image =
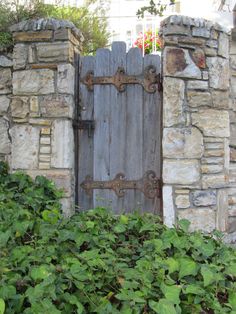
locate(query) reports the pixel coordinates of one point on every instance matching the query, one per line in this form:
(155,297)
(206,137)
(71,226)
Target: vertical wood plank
(117,122)
(134,130)
(152,133)
(101,164)
(86,112)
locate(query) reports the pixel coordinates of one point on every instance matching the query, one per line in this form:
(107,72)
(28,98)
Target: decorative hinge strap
(151,81)
(149,185)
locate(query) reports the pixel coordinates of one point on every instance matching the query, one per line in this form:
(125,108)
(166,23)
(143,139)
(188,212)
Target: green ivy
(97,262)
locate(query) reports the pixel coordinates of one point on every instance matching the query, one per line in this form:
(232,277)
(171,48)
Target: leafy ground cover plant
(96,262)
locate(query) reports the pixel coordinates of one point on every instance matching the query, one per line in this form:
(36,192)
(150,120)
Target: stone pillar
(5,96)
(195,122)
(43,102)
(232,176)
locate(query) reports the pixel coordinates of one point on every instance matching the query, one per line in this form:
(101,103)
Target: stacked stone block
(43,101)
(195,123)
(5,97)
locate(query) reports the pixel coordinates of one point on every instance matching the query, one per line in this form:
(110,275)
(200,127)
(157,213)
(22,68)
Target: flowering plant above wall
(148,41)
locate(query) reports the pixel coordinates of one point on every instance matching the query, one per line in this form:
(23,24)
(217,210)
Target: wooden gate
(119,130)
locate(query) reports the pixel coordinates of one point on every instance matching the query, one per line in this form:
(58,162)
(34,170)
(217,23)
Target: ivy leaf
(194,289)
(119,228)
(208,275)
(232,300)
(187,267)
(207,249)
(231,270)
(2,306)
(40,273)
(171,293)
(162,307)
(184,224)
(173,265)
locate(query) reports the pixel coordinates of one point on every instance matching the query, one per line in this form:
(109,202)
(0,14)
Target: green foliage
(90,19)
(97,262)
(155,8)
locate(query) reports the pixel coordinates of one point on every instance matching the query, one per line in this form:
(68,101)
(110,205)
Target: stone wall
(43,103)
(5,97)
(195,123)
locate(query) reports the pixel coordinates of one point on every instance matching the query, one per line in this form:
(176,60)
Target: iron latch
(149,185)
(85,125)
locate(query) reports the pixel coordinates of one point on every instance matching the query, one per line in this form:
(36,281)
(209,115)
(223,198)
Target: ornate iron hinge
(85,125)
(149,185)
(151,81)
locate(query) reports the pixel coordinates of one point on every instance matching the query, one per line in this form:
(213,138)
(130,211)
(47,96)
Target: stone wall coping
(195,22)
(46,24)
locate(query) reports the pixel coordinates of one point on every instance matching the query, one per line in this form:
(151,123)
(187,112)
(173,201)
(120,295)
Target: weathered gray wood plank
(152,133)
(101,164)
(85,143)
(134,130)
(118,134)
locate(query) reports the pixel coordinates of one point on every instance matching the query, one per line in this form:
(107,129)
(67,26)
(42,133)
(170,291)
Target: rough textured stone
(198,85)
(222,210)
(179,64)
(212,43)
(62,144)
(45,26)
(20,107)
(57,106)
(211,169)
(214,181)
(232,154)
(33,82)
(201,32)
(4,104)
(233,86)
(197,98)
(182,201)
(214,153)
(173,101)
(5,144)
(204,198)
(233,135)
(25,147)
(199,58)
(34,107)
(181,171)
(168,206)
(218,72)
(45,149)
(32,36)
(233,62)
(176,29)
(55,52)
(66,79)
(5,81)
(182,143)
(20,56)
(212,122)
(5,62)
(220,99)
(201,219)
(210,52)
(223,49)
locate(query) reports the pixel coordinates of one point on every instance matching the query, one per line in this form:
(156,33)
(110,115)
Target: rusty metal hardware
(149,185)
(85,125)
(150,80)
